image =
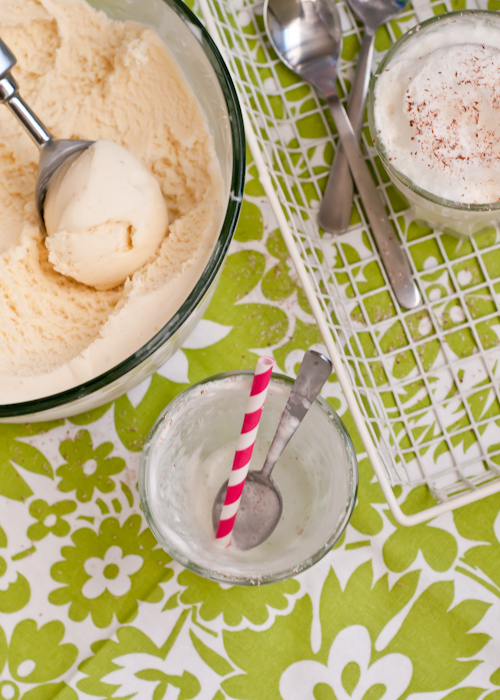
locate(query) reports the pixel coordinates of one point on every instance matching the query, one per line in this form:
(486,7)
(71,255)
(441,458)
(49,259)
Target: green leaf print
(495,695)
(251,223)
(263,656)
(16,454)
(50,519)
(480,521)
(430,647)
(464,694)
(90,416)
(51,691)
(17,593)
(108,572)
(401,548)
(495,677)
(340,608)
(437,638)
(253,325)
(188,684)
(366,519)
(477,520)
(234,603)
(304,335)
(87,468)
(110,657)
(15,596)
(43,647)
(4,649)
(322,691)
(253,188)
(278,283)
(214,660)
(134,423)
(129,640)
(35,656)
(281,280)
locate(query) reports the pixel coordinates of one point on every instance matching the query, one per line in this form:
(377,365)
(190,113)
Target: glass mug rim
(381,152)
(246,579)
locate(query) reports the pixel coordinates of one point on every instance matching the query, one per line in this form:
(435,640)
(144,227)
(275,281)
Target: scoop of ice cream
(105,216)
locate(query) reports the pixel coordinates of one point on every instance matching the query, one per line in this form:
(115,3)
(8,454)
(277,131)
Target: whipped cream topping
(438,117)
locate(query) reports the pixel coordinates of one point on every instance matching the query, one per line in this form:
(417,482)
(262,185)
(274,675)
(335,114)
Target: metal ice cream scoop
(53,152)
(261,503)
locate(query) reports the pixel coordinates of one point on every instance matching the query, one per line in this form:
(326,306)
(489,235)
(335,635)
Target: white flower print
(112,573)
(351,646)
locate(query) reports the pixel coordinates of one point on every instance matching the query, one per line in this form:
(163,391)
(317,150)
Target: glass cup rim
(235,198)
(245,579)
(381,152)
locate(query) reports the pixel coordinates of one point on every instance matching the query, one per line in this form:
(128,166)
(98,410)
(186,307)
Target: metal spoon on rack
(335,209)
(53,152)
(261,503)
(307,37)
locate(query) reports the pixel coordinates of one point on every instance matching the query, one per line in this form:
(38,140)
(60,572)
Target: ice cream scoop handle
(313,373)
(9,94)
(391,252)
(335,210)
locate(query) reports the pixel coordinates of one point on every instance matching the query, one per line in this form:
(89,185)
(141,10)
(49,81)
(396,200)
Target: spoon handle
(9,94)
(335,210)
(313,373)
(393,255)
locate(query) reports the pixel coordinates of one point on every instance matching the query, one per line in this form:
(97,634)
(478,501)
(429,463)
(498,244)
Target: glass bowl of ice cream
(434,117)
(147,77)
(188,456)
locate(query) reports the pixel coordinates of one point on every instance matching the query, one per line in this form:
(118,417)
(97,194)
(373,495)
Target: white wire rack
(422,385)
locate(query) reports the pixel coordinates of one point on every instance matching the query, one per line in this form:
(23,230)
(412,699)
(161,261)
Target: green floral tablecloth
(91,607)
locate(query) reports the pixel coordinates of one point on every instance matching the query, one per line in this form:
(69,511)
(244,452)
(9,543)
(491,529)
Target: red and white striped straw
(244,450)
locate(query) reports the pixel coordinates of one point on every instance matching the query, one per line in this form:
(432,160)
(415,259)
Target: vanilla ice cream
(437,109)
(90,77)
(105,216)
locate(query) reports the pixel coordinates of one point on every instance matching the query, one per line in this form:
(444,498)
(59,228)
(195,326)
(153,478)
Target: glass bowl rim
(12,410)
(394,172)
(245,579)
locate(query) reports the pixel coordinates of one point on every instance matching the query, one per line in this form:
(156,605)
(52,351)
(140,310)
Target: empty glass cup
(188,456)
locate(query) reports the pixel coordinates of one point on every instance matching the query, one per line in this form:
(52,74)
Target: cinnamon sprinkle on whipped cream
(438,118)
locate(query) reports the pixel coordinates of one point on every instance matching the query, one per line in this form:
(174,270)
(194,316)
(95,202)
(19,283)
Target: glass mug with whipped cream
(434,117)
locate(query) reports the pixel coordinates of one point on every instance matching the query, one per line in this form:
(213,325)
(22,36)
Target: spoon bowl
(53,154)
(374,13)
(307,37)
(303,34)
(260,510)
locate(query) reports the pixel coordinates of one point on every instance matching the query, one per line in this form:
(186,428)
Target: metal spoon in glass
(261,503)
(307,37)
(335,210)
(53,152)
